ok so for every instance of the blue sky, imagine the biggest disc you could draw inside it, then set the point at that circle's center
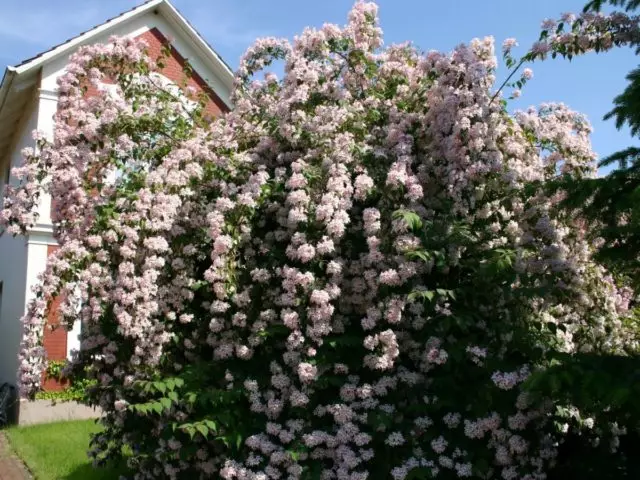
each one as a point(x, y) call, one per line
point(587, 84)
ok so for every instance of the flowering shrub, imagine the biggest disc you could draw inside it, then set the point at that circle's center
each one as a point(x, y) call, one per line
point(589, 385)
point(348, 276)
point(590, 31)
point(609, 201)
point(572, 35)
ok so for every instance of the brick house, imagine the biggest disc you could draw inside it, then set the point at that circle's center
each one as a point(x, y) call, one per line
point(28, 101)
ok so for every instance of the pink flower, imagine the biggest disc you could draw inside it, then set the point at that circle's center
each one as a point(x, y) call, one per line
point(363, 184)
point(222, 244)
point(508, 44)
point(395, 439)
point(390, 277)
point(306, 253)
point(307, 372)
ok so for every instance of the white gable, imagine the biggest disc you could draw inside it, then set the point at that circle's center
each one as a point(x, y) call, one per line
point(28, 101)
point(38, 75)
point(217, 75)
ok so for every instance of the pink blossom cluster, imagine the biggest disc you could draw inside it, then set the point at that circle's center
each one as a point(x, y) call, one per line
point(590, 31)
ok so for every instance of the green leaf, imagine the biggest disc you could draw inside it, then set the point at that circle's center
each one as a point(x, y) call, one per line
point(423, 255)
point(160, 386)
point(195, 286)
point(211, 425)
point(202, 429)
point(423, 295)
point(294, 455)
point(411, 219)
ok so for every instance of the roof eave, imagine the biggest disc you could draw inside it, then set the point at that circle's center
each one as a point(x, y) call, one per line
point(76, 41)
point(221, 68)
point(218, 65)
point(10, 74)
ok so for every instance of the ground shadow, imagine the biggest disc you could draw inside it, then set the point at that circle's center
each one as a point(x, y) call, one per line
point(88, 472)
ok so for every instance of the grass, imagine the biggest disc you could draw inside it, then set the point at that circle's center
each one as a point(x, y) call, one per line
point(58, 451)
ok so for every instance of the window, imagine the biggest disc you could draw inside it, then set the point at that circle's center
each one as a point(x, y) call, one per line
point(153, 81)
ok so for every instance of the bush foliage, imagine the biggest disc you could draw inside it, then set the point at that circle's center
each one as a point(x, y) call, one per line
point(351, 275)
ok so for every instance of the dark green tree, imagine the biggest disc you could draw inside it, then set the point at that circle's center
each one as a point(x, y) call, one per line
point(599, 384)
point(611, 203)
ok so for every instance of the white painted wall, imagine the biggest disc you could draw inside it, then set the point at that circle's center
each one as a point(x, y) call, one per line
point(22, 259)
point(47, 105)
point(13, 261)
point(13, 268)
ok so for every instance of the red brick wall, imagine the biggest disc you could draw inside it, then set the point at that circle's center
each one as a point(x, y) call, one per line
point(174, 71)
point(55, 341)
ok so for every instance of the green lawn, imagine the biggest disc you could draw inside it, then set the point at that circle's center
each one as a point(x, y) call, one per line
point(58, 451)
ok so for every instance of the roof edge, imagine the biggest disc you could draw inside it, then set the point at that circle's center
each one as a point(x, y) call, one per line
point(10, 74)
point(219, 67)
point(76, 41)
point(199, 39)
point(5, 88)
